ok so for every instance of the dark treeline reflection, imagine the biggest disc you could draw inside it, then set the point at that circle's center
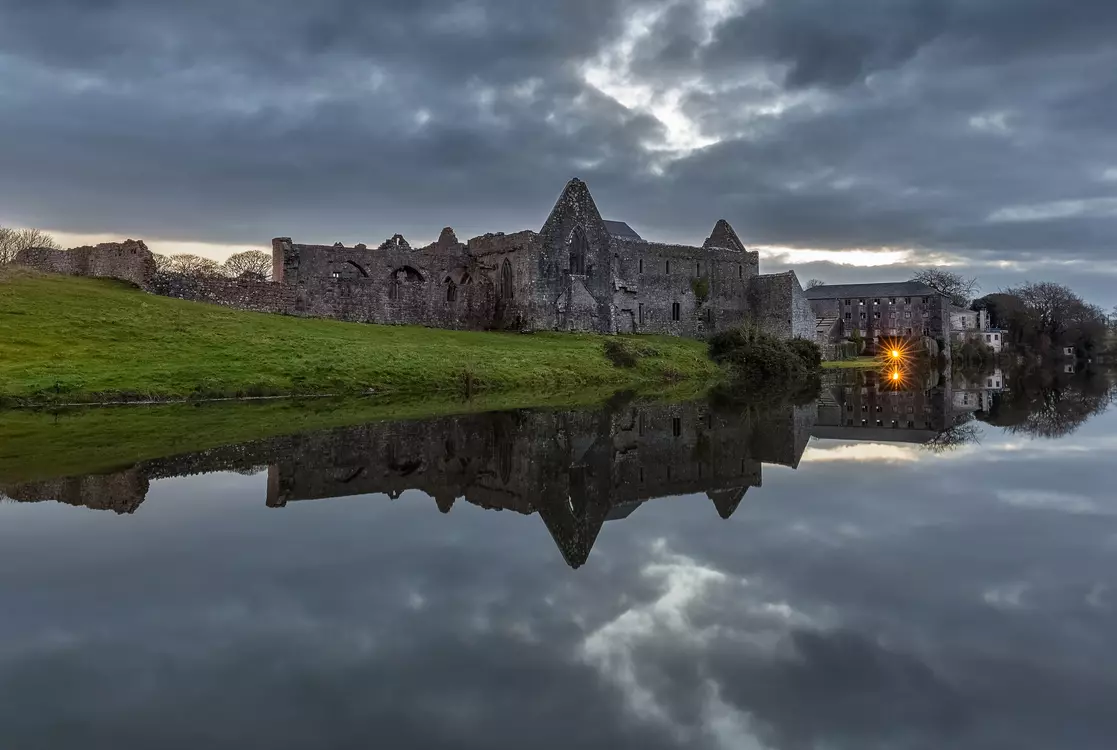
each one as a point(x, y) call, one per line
point(578, 469)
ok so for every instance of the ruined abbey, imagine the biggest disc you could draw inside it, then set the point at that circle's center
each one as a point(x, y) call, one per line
point(579, 272)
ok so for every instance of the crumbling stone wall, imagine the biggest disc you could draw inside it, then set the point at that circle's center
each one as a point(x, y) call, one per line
point(779, 307)
point(242, 294)
point(129, 261)
point(572, 275)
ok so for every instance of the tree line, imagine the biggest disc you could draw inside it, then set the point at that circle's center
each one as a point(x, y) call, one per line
point(1036, 316)
point(251, 264)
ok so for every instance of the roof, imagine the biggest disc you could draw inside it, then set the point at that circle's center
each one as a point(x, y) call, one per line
point(621, 229)
point(885, 289)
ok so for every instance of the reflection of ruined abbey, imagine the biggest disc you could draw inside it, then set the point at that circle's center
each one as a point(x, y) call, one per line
point(575, 469)
point(578, 273)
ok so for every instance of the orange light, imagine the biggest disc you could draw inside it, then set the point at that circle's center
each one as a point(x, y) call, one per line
point(895, 354)
point(895, 376)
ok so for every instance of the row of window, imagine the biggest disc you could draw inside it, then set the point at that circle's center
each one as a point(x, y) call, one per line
point(876, 316)
point(891, 301)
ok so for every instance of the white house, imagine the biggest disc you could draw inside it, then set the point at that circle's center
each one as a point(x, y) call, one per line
point(973, 325)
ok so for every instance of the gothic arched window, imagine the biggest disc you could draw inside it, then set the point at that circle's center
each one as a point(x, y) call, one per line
point(579, 248)
point(506, 280)
point(451, 291)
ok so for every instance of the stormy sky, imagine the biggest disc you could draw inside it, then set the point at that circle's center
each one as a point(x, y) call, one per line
point(882, 133)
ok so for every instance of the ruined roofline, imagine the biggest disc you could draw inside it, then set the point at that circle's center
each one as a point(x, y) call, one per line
point(685, 252)
point(447, 240)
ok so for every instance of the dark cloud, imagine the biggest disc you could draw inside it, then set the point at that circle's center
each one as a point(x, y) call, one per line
point(833, 125)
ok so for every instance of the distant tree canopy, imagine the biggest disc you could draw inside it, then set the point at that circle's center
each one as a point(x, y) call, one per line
point(958, 288)
point(251, 263)
point(192, 265)
point(815, 282)
point(14, 240)
point(1043, 315)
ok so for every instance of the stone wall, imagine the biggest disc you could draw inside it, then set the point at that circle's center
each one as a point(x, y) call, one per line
point(572, 275)
point(129, 261)
point(778, 306)
point(242, 294)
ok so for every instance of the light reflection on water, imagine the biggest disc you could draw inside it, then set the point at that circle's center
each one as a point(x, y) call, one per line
point(901, 568)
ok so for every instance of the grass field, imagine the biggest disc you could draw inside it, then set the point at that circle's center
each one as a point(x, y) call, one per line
point(65, 339)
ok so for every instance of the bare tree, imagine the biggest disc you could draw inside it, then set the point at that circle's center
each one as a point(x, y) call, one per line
point(14, 240)
point(815, 282)
point(194, 265)
point(958, 288)
point(162, 263)
point(250, 264)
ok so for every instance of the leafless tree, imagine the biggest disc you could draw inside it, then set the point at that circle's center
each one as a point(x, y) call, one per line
point(954, 437)
point(162, 263)
point(958, 288)
point(14, 240)
point(251, 263)
point(194, 265)
point(815, 282)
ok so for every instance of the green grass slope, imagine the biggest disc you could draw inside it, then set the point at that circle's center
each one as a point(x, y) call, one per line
point(73, 339)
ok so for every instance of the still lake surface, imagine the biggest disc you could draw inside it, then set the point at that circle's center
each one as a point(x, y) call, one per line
point(916, 568)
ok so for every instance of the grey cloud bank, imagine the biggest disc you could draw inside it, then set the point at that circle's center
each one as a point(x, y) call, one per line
point(976, 130)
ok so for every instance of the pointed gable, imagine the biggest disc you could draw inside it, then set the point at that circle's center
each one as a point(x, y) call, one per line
point(723, 236)
point(575, 206)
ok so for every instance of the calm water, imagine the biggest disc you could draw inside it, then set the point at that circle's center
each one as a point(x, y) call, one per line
point(922, 568)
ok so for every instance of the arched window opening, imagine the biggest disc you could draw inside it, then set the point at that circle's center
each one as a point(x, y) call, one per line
point(451, 290)
point(579, 248)
point(393, 289)
point(506, 280)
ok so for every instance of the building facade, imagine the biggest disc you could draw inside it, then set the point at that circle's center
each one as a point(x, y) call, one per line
point(579, 272)
point(973, 325)
point(879, 311)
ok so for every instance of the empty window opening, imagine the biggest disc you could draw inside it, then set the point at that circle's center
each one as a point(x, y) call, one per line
point(674, 311)
point(579, 248)
point(506, 280)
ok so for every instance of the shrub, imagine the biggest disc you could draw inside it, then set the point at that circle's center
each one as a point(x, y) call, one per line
point(756, 356)
point(628, 353)
point(701, 288)
point(807, 351)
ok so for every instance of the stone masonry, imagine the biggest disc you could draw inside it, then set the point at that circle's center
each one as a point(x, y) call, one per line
point(577, 273)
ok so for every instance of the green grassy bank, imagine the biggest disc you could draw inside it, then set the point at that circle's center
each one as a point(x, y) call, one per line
point(65, 339)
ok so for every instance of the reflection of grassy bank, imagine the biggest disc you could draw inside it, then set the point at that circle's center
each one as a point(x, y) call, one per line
point(41, 444)
point(861, 363)
point(66, 339)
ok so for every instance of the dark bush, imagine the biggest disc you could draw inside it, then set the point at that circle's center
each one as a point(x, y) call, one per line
point(756, 356)
point(807, 351)
point(627, 353)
